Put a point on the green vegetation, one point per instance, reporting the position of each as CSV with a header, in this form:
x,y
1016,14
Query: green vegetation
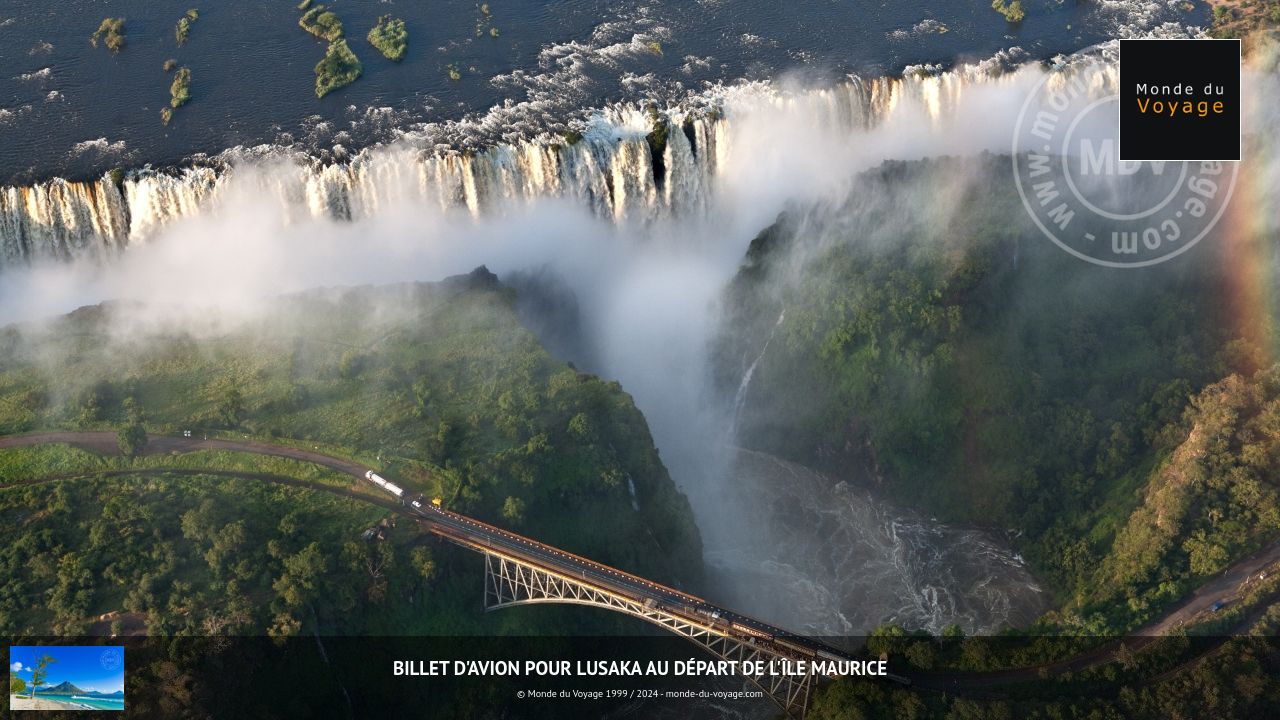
x,y
660,133
390,37
180,88
111,32
1121,424
179,92
304,4
16,684
322,23
454,74
40,673
1248,20
1212,498
437,386
170,64
132,439
1012,11
183,29
339,67
1128,426
196,550
1177,677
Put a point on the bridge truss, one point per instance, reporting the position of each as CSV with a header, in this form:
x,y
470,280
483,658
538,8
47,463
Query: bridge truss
x,y
510,581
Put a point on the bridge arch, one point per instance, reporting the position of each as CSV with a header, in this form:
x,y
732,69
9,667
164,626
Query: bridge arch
x,y
510,582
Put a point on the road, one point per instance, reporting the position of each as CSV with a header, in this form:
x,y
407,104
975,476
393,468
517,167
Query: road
x,y
1227,585
457,528
105,443
480,536
1223,586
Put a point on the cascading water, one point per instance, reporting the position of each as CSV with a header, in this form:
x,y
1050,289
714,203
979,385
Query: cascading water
x,y
740,398
612,169
648,258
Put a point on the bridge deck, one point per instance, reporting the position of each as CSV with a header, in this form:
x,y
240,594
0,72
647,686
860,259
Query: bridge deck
x,y
483,537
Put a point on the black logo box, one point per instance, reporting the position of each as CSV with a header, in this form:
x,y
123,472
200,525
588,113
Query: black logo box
x,y
1180,63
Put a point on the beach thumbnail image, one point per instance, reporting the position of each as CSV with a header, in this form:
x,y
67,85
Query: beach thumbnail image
x,y
66,677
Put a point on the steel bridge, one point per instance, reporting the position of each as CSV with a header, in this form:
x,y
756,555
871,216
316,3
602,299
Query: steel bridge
x,y
522,571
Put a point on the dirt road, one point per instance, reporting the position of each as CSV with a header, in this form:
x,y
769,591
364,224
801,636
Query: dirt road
x,y
105,443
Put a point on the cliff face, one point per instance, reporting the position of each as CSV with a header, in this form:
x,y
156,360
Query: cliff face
x,y
918,332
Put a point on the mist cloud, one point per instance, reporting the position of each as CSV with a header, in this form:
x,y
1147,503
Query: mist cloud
x,y
646,290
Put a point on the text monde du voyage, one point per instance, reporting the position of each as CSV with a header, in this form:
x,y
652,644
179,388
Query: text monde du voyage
x,y
651,668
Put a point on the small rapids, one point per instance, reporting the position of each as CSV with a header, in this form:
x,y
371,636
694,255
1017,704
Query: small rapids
x,y
835,560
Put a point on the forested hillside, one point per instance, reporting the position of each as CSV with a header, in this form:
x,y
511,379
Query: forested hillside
x,y
437,386
960,361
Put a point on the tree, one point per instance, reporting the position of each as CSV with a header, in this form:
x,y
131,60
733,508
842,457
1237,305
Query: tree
x,y
16,684
922,654
132,439
40,673
94,403
513,510
349,365
298,397
303,572
231,407
423,563
580,426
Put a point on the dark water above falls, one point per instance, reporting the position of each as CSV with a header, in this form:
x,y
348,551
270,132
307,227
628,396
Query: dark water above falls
x,y
68,109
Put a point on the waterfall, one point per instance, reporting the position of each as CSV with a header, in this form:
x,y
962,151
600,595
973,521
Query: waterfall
x,y
610,167
740,398
631,488
62,220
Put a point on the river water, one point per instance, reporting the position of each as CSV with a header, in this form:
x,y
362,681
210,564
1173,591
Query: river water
x,y
838,561
69,109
